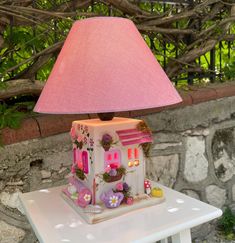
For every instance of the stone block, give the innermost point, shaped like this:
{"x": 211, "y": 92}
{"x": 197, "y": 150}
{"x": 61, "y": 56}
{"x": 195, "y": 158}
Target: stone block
{"x": 233, "y": 192}
{"x": 45, "y": 174}
{"x": 164, "y": 169}
{"x": 163, "y": 146}
{"x": 10, "y": 234}
{"x": 223, "y": 153}
{"x": 11, "y": 200}
{"x": 216, "y": 196}
{"x": 57, "y": 160}
{"x": 196, "y": 164}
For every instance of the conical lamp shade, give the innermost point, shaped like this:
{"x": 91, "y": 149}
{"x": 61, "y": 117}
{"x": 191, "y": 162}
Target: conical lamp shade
{"x": 105, "y": 66}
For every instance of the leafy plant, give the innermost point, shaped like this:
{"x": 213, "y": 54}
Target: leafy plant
{"x": 229, "y": 70}
{"x": 12, "y": 116}
{"x": 227, "y": 222}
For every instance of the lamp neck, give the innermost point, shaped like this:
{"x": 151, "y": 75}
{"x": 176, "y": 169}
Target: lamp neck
{"x": 108, "y": 116}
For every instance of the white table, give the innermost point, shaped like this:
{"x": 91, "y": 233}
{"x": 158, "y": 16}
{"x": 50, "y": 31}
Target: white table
{"x": 54, "y": 221}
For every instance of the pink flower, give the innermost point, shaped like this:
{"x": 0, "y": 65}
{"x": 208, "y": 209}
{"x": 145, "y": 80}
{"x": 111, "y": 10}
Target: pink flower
{"x": 86, "y": 129}
{"x": 79, "y": 139}
{"x": 84, "y": 197}
{"x": 85, "y": 140}
{"x": 129, "y": 201}
{"x": 73, "y": 133}
{"x": 119, "y": 186}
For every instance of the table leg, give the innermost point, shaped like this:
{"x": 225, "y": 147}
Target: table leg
{"x": 182, "y": 237}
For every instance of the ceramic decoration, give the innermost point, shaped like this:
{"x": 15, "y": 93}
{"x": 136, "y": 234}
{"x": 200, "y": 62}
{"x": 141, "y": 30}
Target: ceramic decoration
{"x": 108, "y": 168}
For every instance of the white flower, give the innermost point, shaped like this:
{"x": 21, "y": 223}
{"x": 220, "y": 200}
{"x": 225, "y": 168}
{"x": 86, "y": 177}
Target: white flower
{"x": 72, "y": 189}
{"x": 113, "y": 201}
{"x": 87, "y": 197}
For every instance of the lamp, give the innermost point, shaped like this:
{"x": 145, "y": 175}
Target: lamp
{"x": 104, "y": 67}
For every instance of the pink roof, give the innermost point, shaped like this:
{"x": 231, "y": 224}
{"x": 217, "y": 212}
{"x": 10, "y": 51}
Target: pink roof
{"x": 134, "y": 136}
{"x": 105, "y": 66}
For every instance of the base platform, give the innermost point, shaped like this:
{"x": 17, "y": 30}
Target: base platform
{"x": 141, "y": 201}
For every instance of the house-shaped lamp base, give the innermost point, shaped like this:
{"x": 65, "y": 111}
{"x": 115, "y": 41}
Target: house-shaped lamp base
{"x": 108, "y": 169}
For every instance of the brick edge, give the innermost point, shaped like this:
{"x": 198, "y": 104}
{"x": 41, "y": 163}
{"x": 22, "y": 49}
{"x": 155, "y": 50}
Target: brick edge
{"x": 48, "y": 125}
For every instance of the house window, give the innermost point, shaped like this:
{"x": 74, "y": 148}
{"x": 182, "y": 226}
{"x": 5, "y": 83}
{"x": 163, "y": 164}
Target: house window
{"x": 112, "y": 158}
{"x": 85, "y": 162}
{"x": 133, "y": 157}
{"x": 81, "y": 159}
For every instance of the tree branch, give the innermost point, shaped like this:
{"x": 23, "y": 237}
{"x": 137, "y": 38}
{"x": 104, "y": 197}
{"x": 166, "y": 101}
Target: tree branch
{"x": 21, "y": 87}
{"x": 46, "y": 51}
{"x": 127, "y": 7}
{"x": 165, "y": 30}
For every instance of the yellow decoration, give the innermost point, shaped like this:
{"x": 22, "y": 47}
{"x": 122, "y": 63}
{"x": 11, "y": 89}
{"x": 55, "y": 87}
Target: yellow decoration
{"x": 156, "y": 192}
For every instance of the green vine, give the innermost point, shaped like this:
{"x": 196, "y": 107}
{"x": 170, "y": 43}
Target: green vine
{"x": 143, "y": 127}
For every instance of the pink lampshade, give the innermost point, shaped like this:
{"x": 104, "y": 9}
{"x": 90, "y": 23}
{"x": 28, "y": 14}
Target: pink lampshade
{"x": 105, "y": 66}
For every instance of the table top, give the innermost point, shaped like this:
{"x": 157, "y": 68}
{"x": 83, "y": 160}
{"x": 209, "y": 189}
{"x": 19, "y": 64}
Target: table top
{"x": 54, "y": 221}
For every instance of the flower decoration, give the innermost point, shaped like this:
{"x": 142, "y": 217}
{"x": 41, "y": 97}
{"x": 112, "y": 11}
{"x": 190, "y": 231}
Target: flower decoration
{"x": 79, "y": 139}
{"x": 119, "y": 186}
{"x": 124, "y": 188}
{"x": 114, "y": 174}
{"x": 111, "y": 199}
{"x": 107, "y": 141}
{"x": 84, "y": 198}
{"x": 87, "y": 197}
{"x": 129, "y": 201}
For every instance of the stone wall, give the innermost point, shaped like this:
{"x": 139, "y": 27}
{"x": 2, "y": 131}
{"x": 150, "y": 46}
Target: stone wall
{"x": 193, "y": 152}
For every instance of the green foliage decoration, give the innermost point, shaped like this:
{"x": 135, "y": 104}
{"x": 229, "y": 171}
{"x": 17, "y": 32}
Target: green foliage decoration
{"x": 80, "y": 174}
